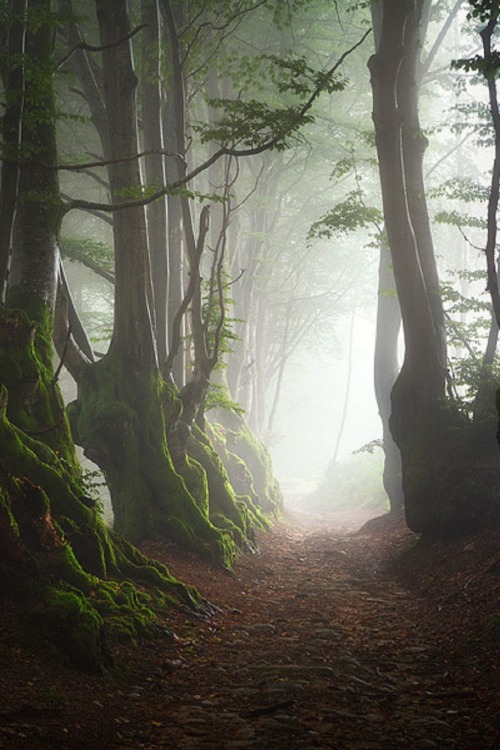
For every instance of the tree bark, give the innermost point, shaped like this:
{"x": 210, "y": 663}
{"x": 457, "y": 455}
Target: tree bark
{"x": 11, "y": 132}
{"x": 132, "y": 332}
{"x": 56, "y": 552}
{"x": 154, "y": 167}
{"x": 438, "y": 498}
{"x": 174, "y": 134}
{"x": 386, "y": 369}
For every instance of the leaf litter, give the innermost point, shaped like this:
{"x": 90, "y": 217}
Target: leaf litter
{"x": 329, "y": 639}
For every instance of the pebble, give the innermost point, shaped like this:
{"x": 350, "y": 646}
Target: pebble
{"x": 262, "y": 627}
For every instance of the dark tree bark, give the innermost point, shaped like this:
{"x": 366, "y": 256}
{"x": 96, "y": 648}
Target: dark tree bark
{"x": 174, "y": 129}
{"x": 11, "y": 131}
{"x": 55, "y": 552}
{"x": 386, "y": 364}
{"x": 437, "y": 495}
{"x": 414, "y": 146}
{"x": 32, "y": 284}
{"x": 154, "y": 167}
{"x": 132, "y": 332}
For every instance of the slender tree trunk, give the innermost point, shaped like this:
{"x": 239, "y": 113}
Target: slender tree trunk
{"x": 154, "y": 167}
{"x": 132, "y": 332}
{"x": 11, "y": 132}
{"x": 89, "y": 75}
{"x": 281, "y": 368}
{"x": 414, "y": 146}
{"x": 174, "y": 134}
{"x": 386, "y": 369}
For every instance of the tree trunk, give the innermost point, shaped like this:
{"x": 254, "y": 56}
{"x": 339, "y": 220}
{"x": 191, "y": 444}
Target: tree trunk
{"x": 55, "y": 551}
{"x": 437, "y": 495}
{"x": 154, "y": 168}
{"x": 386, "y": 369}
{"x": 414, "y": 145}
{"x": 174, "y": 135}
{"x": 11, "y": 132}
{"x": 124, "y": 408}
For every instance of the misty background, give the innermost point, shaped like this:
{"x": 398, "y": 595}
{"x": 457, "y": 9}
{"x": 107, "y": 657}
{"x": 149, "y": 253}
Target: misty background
{"x": 314, "y": 257}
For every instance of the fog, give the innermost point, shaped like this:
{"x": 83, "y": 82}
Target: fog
{"x": 302, "y": 230}
{"x": 310, "y": 415}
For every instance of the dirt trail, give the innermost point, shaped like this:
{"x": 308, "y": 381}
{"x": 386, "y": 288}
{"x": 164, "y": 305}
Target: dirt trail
{"x": 322, "y": 641}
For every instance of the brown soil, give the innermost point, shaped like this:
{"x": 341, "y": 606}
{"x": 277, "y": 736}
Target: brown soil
{"x": 328, "y": 639}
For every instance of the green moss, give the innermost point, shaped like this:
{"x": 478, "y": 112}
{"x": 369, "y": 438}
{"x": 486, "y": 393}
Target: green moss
{"x": 66, "y": 618}
{"x": 236, "y": 443}
{"x": 171, "y": 403}
{"x": 196, "y": 481}
{"x": 35, "y": 403}
{"x": 56, "y": 552}
{"x": 126, "y": 613}
{"x": 225, "y": 550}
{"x": 120, "y": 421}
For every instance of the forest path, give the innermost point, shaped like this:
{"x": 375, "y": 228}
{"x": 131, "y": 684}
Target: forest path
{"x": 320, "y": 645}
{"x": 326, "y": 640}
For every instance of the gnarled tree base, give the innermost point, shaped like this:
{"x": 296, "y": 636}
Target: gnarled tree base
{"x": 448, "y": 471}
{"x": 247, "y": 461}
{"x": 119, "y": 419}
{"x": 57, "y": 557}
{"x": 74, "y": 579}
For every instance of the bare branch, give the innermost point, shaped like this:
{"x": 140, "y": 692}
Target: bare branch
{"x": 84, "y": 166}
{"x": 223, "y": 151}
{"x": 98, "y": 214}
{"x": 194, "y": 280}
{"x": 424, "y": 70}
{"x": 83, "y": 46}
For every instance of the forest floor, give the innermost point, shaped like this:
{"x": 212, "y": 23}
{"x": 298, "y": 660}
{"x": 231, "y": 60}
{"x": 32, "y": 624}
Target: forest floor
{"x": 330, "y": 638}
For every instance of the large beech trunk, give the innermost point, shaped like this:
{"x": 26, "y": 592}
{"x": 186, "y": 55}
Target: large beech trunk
{"x": 438, "y": 496}
{"x": 124, "y": 409}
{"x": 57, "y": 557}
{"x": 11, "y": 121}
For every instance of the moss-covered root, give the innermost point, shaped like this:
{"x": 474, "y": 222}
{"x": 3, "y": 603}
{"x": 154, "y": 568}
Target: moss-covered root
{"x": 81, "y": 614}
{"x": 38, "y": 567}
{"x": 119, "y": 420}
{"x": 74, "y": 578}
{"x": 239, "y": 514}
{"x": 35, "y": 403}
{"x": 233, "y": 437}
